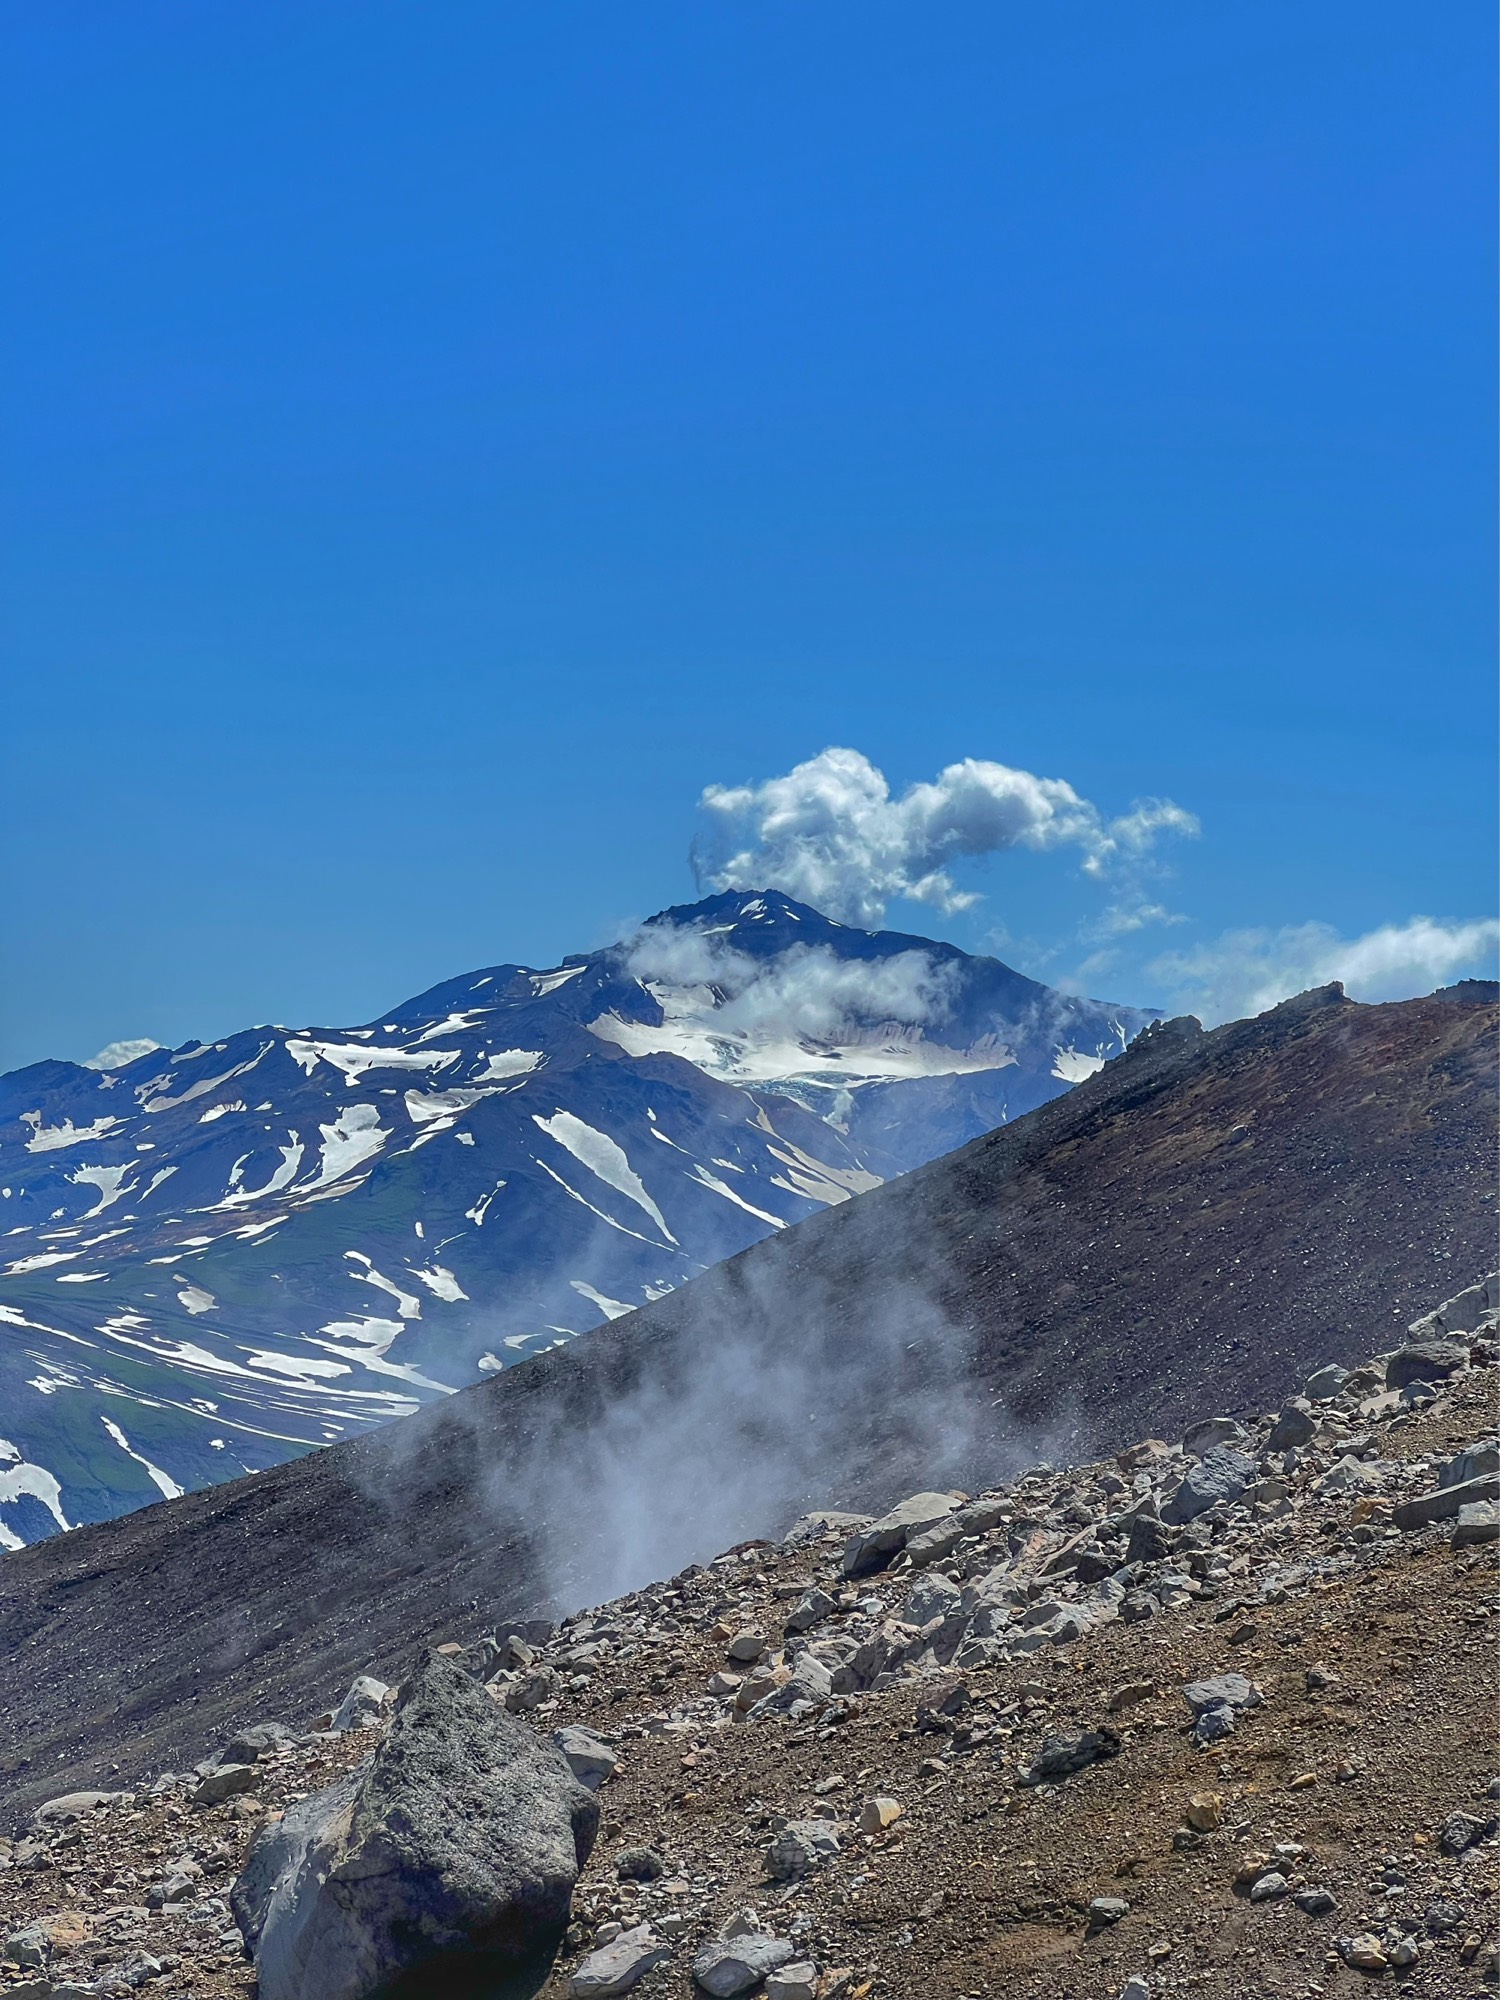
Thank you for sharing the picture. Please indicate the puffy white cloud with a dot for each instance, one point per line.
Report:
(807, 990)
(1244, 972)
(830, 833)
(118, 1054)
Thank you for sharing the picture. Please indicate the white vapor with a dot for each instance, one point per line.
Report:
(118, 1054)
(1244, 972)
(831, 834)
(805, 990)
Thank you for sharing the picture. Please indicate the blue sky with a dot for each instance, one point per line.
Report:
(440, 440)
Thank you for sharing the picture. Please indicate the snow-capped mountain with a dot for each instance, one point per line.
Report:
(215, 1257)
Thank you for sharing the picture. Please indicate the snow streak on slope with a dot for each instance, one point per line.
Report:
(216, 1256)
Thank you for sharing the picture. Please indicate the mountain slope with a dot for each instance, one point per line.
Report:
(217, 1256)
(1188, 1232)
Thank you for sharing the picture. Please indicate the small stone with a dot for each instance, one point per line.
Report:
(1304, 1781)
(1107, 1910)
(1463, 1830)
(1135, 1989)
(747, 1647)
(809, 1611)
(223, 1784)
(639, 1864)
(876, 1814)
(618, 1965)
(1405, 1952)
(794, 1982)
(1205, 1812)
(725, 1684)
(1268, 1887)
(1363, 1952)
(1314, 1902)
(728, 1966)
(591, 1760)
(1131, 1693)
(1297, 1425)
(801, 1848)
(1325, 1384)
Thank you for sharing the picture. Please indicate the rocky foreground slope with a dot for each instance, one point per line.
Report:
(1195, 1228)
(1212, 1717)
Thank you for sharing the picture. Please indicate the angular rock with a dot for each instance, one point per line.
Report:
(256, 1741)
(1425, 1361)
(363, 1706)
(1107, 1910)
(876, 1814)
(871, 1548)
(227, 1782)
(794, 1982)
(1462, 1830)
(451, 1857)
(1477, 1522)
(825, 1520)
(1201, 1438)
(73, 1805)
(933, 1596)
(1062, 1753)
(1315, 1902)
(1222, 1474)
(727, 1966)
(976, 1518)
(619, 1965)
(1325, 1383)
(1473, 1462)
(591, 1760)
(809, 1611)
(1444, 1504)
(808, 1684)
(801, 1848)
(1297, 1425)
(1150, 1539)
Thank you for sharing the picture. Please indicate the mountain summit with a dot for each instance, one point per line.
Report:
(220, 1255)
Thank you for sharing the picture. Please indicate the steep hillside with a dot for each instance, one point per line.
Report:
(218, 1256)
(1186, 1233)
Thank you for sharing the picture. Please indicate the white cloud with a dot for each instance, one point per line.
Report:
(1244, 972)
(118, 1054)
(806, 990)
(831, 834)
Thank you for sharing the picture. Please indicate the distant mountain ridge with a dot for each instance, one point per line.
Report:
(214, 1257)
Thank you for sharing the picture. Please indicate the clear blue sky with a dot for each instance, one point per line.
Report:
(438, 439)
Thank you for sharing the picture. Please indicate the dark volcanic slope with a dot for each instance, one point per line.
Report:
(1186, 1233)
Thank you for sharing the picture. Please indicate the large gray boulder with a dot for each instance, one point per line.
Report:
(1221, 1474)
(446, 1863)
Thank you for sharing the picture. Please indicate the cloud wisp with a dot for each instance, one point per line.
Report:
(805, 990)
(1245, 971)
(831, 833)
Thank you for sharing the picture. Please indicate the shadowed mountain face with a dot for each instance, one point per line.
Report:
(218, 1256)
(1186, 1233)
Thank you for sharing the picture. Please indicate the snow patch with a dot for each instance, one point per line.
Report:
(604, 1157)
(165, 1484)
